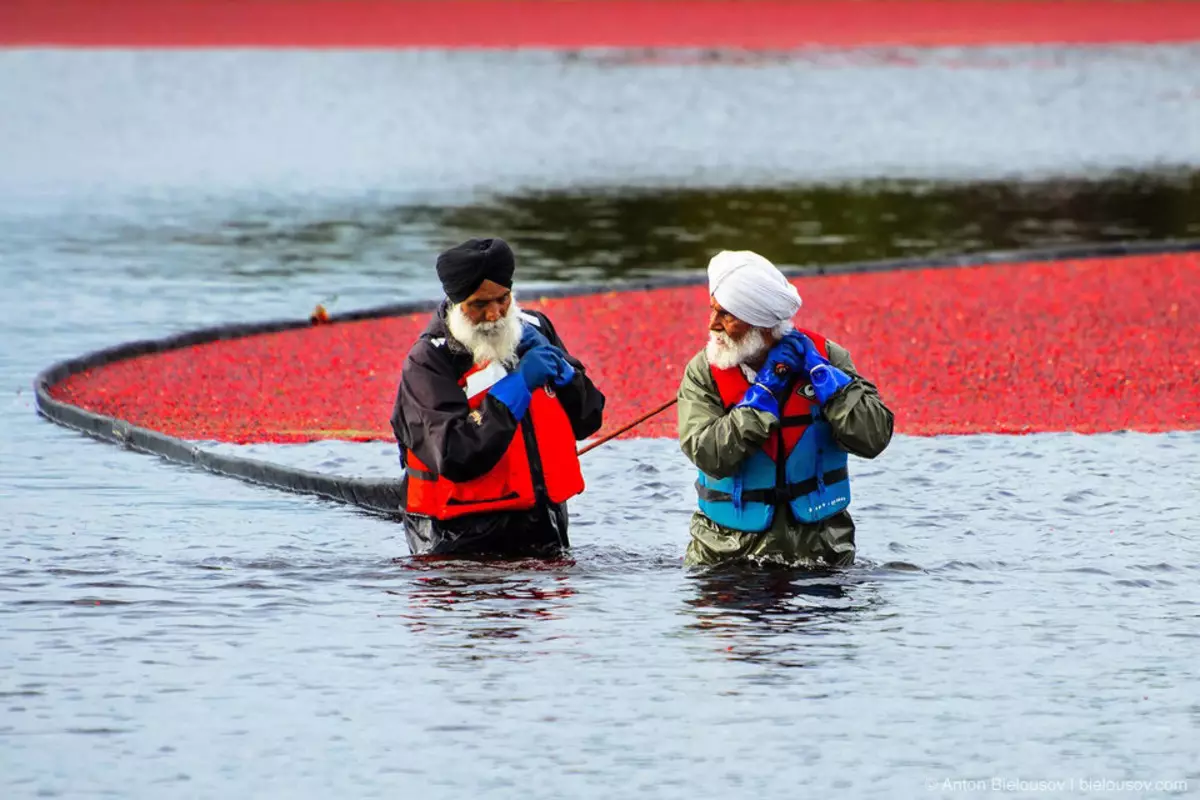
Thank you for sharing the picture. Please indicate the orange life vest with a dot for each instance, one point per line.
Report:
(508, 486)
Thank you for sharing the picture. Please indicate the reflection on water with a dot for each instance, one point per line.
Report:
(595, 234)
(772, 615)
(481, 600)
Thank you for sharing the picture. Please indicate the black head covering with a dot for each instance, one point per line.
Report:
(463, 267)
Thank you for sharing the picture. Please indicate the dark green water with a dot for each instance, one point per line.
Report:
(629, 233)
(598, 234)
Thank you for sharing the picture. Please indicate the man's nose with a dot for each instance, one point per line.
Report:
(493, 313)
(713, 323)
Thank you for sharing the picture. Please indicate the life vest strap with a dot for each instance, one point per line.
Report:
(794, 420)
(424, 475)
(774, 496)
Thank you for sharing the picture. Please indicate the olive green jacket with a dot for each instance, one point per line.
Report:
(717, 441)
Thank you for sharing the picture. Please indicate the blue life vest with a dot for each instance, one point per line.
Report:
(812, 480)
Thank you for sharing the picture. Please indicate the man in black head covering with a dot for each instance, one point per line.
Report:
(489, 409)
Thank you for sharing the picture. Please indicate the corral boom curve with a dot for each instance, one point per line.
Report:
(383, 496)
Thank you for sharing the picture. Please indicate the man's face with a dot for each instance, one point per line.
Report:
(488, 323)
(489, 303)
(732, 342)
(721, 321)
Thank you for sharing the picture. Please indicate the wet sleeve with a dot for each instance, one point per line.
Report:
(861, 422)
(580, 398)
(715, 441)
(433, 420)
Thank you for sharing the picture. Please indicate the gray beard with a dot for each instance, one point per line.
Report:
(488, 341)
(724, 353)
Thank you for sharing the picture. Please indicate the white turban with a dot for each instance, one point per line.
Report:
(750, 287)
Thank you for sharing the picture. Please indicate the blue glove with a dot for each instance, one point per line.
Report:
(536, 368)
(759, 398)
(531, 337)
(566, 372)
(812, 357)
(826, 380)
(512, 392)
(539, 366)
(784, 362)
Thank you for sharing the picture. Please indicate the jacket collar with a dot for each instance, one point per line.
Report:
(438, 332)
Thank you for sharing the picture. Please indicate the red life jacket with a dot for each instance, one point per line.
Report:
(508, 486)
(796, 414)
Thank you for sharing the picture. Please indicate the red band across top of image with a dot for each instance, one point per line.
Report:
(1088, 345)
(752, 24)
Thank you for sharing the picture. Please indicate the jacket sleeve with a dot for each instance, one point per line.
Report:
(861, 423)
(433, 420)
(580, 398)
(715, 441)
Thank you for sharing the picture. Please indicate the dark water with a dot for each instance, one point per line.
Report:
(1024, 608)
(611, 233)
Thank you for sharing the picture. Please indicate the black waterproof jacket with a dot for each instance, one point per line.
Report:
(431, 418)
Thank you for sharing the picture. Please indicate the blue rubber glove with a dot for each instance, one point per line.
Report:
(539, 366)
(812, 356)
(759, 398)
(826, 380)
(784, 362)
(531, 337)
(536, 368)
(566, 372)
(512, 392)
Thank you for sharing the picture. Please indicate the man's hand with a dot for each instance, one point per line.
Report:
(566, 372)
(783, 364)
(540, 365)
(779, 371)
(531, 337)
(812, 357)
(826, 379)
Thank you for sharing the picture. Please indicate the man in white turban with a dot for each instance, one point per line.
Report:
(768, 414)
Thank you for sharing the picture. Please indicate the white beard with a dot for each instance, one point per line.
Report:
(488, 341)
(724, 353)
